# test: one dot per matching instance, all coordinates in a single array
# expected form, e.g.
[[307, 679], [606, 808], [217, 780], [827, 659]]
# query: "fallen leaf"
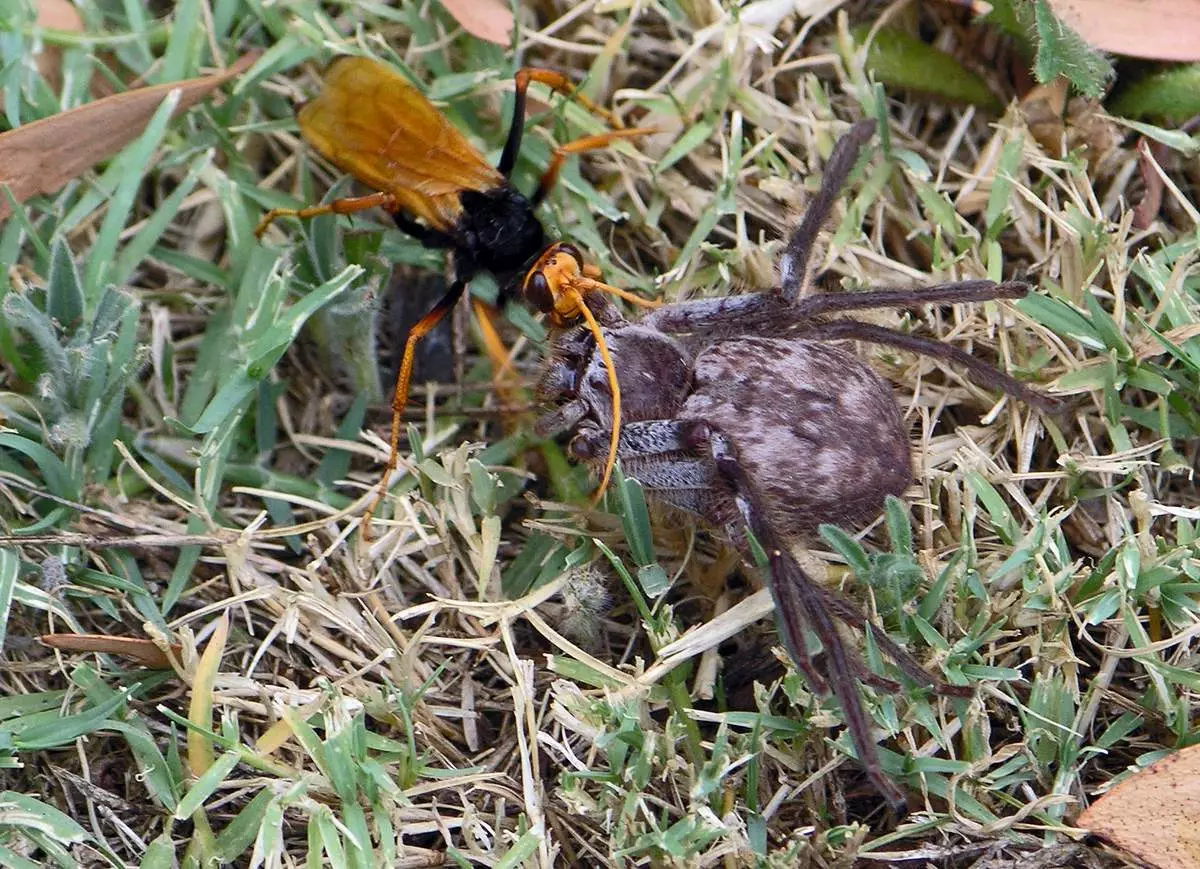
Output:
[[1155, 29], [489, 20], [42, 156], [1146, 210], [1153, 813], [55, 15], [1043, 109], [145, 652]]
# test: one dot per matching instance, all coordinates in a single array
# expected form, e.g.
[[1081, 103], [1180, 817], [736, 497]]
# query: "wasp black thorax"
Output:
[[498, 229]]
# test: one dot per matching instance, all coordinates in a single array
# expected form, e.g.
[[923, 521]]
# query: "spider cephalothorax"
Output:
[[739, 411]]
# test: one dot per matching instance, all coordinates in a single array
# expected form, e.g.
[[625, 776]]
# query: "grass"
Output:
[[191, 423]]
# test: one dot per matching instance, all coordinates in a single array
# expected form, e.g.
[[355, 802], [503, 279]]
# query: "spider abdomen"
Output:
[[811, 423]]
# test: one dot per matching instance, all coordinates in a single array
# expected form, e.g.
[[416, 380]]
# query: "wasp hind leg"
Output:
[[403, 381], [348, 205], [558, 83], [587, 143]]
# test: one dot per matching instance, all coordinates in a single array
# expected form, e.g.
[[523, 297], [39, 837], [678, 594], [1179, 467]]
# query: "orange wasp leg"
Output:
[[587, 143], [503, 373], [558, 83], [492, 343], [400, 398], [348, 205], [591, 285], [587, 283]]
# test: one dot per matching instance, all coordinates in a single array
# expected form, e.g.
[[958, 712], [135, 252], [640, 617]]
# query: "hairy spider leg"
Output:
[[659, 443], [977, 290], [798, 603], [766, 313], [982, 372], [794, 265], [400, 397]]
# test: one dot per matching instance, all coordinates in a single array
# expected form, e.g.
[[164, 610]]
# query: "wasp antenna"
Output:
[[589, 284], [615, 389]]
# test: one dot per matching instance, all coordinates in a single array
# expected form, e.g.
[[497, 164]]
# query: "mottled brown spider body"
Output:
[[739, 411], [828, 419]]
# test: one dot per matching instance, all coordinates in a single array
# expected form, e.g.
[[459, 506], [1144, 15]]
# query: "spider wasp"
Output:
[[374, 125]]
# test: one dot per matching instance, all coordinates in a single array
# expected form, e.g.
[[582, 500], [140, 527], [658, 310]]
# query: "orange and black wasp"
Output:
[[371, 123]]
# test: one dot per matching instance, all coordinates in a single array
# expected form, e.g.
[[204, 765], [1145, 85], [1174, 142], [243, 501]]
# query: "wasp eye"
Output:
[[537, 292]]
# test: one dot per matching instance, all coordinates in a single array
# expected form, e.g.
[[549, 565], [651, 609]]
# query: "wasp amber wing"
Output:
[[372, 124]]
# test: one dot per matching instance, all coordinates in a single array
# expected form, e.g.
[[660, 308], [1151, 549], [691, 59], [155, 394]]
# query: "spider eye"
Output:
[[537, 292]]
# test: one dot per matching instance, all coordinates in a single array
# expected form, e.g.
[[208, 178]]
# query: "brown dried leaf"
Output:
[[1152, 814], [1155, 29], [489, 20], [1146, 210], [41, 157], [55, 15], [145, 652], [1043, 109]]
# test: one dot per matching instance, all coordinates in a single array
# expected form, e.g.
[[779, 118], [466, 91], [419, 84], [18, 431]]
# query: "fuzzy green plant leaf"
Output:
[[903, 61], [64, 289], [53, 472], [1166, 93], [1062, 51], [19, 312], [847, 547], [899, 526]]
